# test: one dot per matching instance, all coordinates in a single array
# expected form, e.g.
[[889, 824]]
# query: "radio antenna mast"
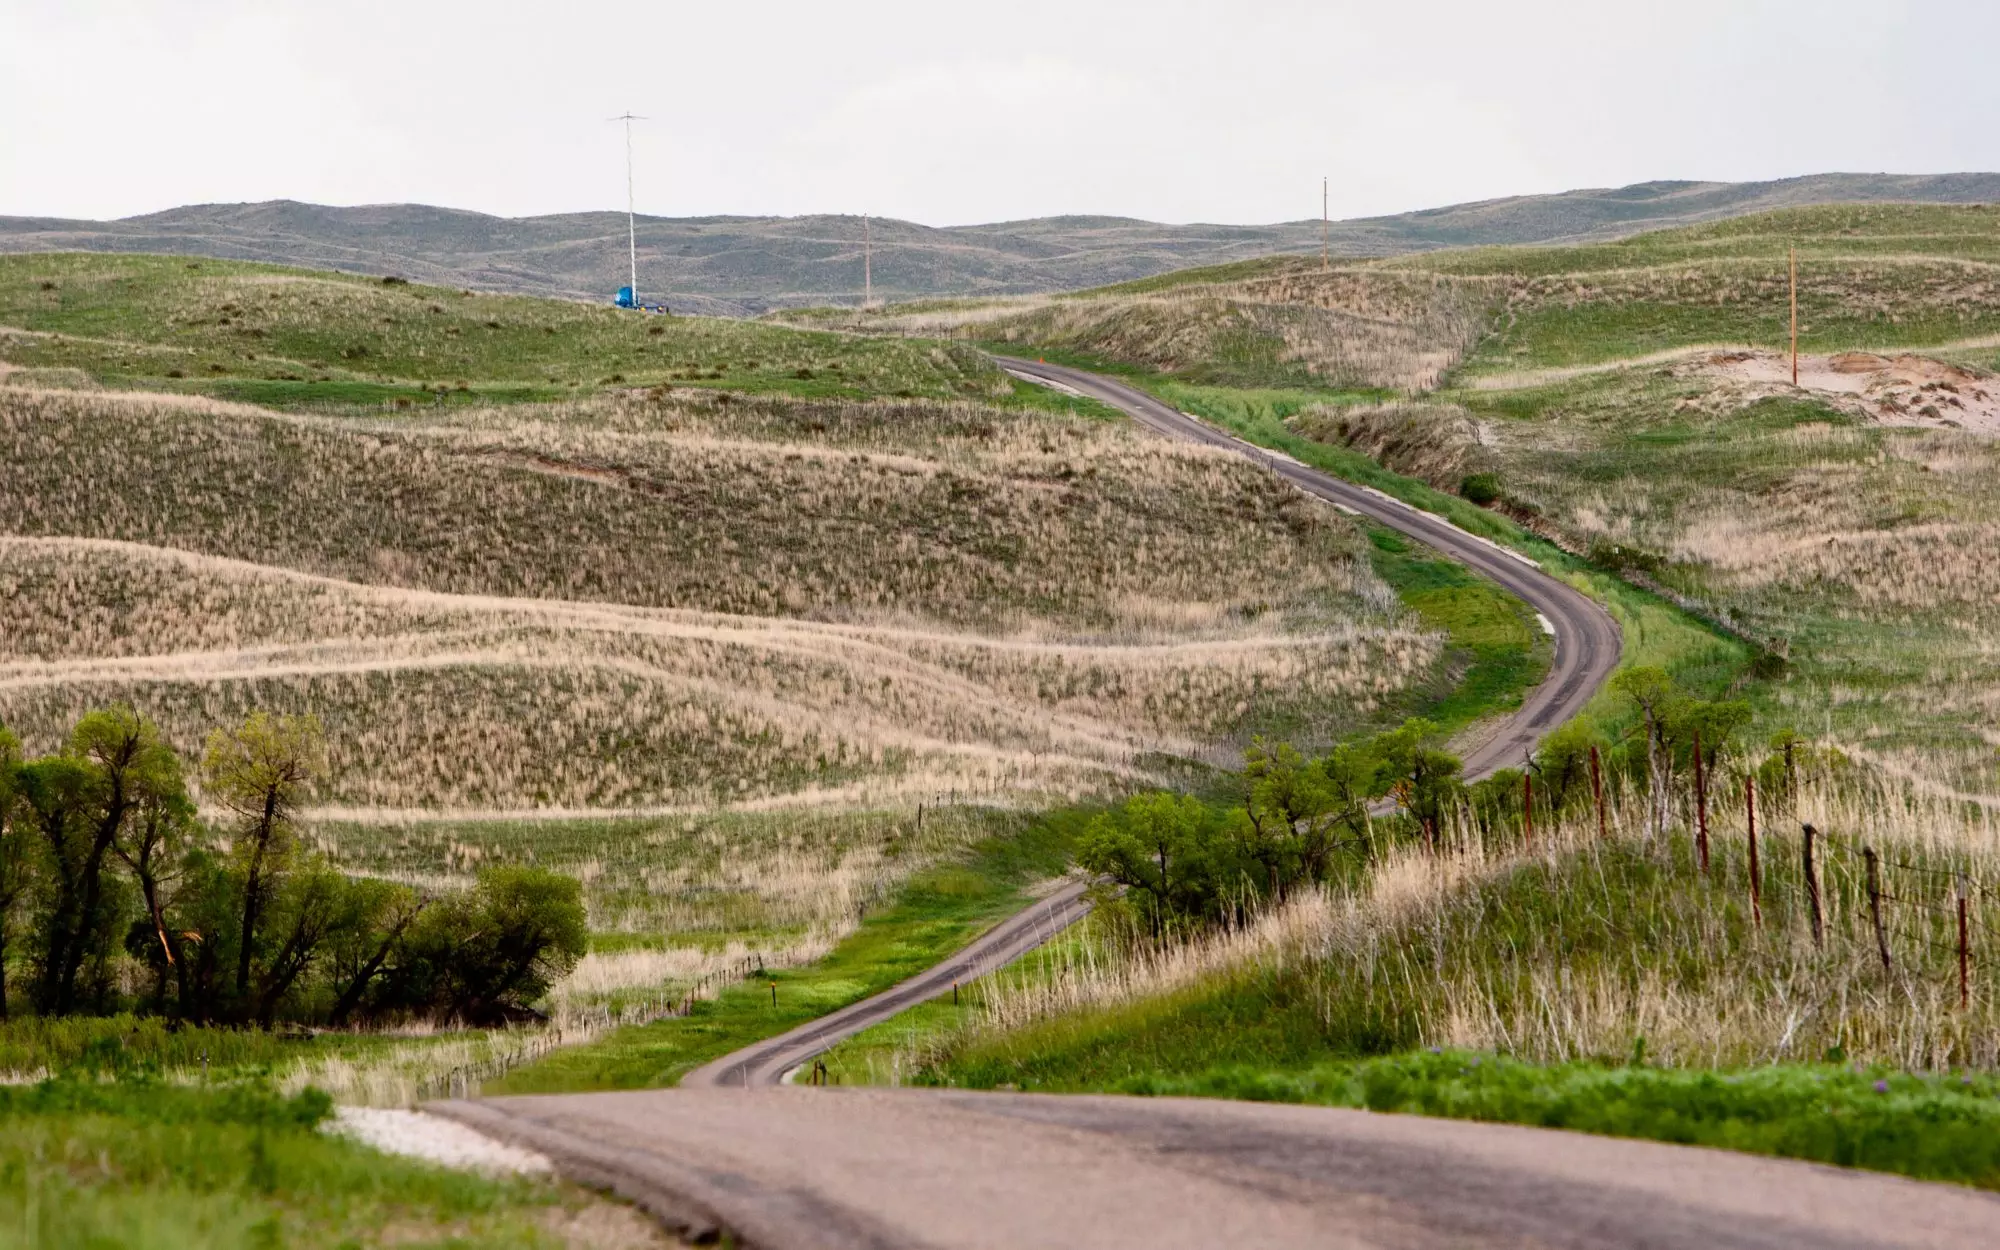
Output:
[[867, 264], [1325, 227], [631, 220]]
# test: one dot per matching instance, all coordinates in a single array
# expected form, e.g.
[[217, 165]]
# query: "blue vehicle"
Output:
[[625, 299]]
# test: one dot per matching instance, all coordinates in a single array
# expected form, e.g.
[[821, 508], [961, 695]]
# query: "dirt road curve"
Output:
[[842, 1169], [766, 1062], [1586, 637]]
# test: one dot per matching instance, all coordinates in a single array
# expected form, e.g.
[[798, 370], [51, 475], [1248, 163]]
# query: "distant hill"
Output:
[[749, 265]]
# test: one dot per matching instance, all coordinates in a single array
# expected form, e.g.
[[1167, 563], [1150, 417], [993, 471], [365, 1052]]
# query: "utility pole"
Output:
[[867, 264], [1795, 316], [631, 218], [1325, 228]]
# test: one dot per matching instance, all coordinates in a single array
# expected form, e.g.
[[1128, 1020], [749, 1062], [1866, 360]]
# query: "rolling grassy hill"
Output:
[[610, 592], [749, 265]]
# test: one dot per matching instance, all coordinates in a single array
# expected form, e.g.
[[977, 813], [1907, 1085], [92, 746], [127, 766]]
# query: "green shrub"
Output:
[[1481, 488]]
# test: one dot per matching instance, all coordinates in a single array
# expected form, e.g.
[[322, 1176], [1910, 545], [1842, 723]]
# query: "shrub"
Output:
[[1481, 488]]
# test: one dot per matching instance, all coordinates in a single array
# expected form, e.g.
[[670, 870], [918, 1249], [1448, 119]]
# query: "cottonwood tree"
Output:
[[1426, 780], [261, 772], [15, 852], [1160, 845], [79, 802], [153, 847]]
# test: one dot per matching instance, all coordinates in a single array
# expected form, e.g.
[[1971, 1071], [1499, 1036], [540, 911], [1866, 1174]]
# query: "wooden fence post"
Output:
[[1964, 953], [1812, 886], [1874, 862], [1528, 812], [1597, 791], [1700, 805], [1756, 882]]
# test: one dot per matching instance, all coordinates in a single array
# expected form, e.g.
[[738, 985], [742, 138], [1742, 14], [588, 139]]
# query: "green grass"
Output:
[[1870, 276], [932, 915], [1940, 1128], [87, 1163], [306, 340]]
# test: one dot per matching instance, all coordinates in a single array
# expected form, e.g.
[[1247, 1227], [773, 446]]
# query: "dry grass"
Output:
[[1356, 326], [1581, 948], [647, 603]]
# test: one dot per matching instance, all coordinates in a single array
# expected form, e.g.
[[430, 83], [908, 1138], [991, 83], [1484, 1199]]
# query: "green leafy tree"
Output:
[[485, 957], [1160, 845], [1294, 816], [261, 772], [153, 844], [16, 852], [78, 802], [1652, 693], [1426, 780], [1562, 766]]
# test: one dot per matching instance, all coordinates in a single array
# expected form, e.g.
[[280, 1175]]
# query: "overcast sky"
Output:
[[949, 114]]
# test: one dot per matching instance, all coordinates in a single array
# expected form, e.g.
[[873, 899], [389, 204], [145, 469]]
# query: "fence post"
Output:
[[1812, 886], [1528, 812], [1756, 877], [1874, 862], [1791, 779], [1700, 805], [1964, 953], [1597, 791]]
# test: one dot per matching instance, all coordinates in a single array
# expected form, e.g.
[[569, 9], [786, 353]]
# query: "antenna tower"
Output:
[[631, 220], [867, 264], [1325, 227]]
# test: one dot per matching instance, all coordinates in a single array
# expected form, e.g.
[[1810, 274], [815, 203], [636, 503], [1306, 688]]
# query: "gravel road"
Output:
[[796, 1168], [1586, 638]]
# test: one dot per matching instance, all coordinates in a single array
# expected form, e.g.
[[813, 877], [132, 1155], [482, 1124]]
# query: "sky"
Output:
[[955, 114]]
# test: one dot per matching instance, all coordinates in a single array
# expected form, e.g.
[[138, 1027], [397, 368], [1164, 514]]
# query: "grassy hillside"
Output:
[[1839, 522], [298, 339], [1263, 324]]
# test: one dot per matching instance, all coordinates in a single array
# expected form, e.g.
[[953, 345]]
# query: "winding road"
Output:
[[734, 1151]]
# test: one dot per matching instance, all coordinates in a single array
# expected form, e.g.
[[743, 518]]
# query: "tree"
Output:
[[1426, 780], [1652, 692], [1158, 846], [151, 846], [361, 952], [486, 956], [1294, 816], [1354, 779], [260, 772], [16, 858], [78, 802], [1562, 765]]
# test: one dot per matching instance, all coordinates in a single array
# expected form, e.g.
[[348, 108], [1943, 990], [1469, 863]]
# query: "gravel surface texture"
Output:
[[434, 1138]]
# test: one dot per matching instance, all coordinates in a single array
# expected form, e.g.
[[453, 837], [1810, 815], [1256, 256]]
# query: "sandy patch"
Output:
[[434, 1139], [1895, 390]]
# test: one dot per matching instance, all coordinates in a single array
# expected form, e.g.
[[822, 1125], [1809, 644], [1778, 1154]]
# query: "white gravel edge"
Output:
[[434, 1139]]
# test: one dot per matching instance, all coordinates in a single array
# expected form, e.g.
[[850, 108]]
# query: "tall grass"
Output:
[[1576, 949]]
